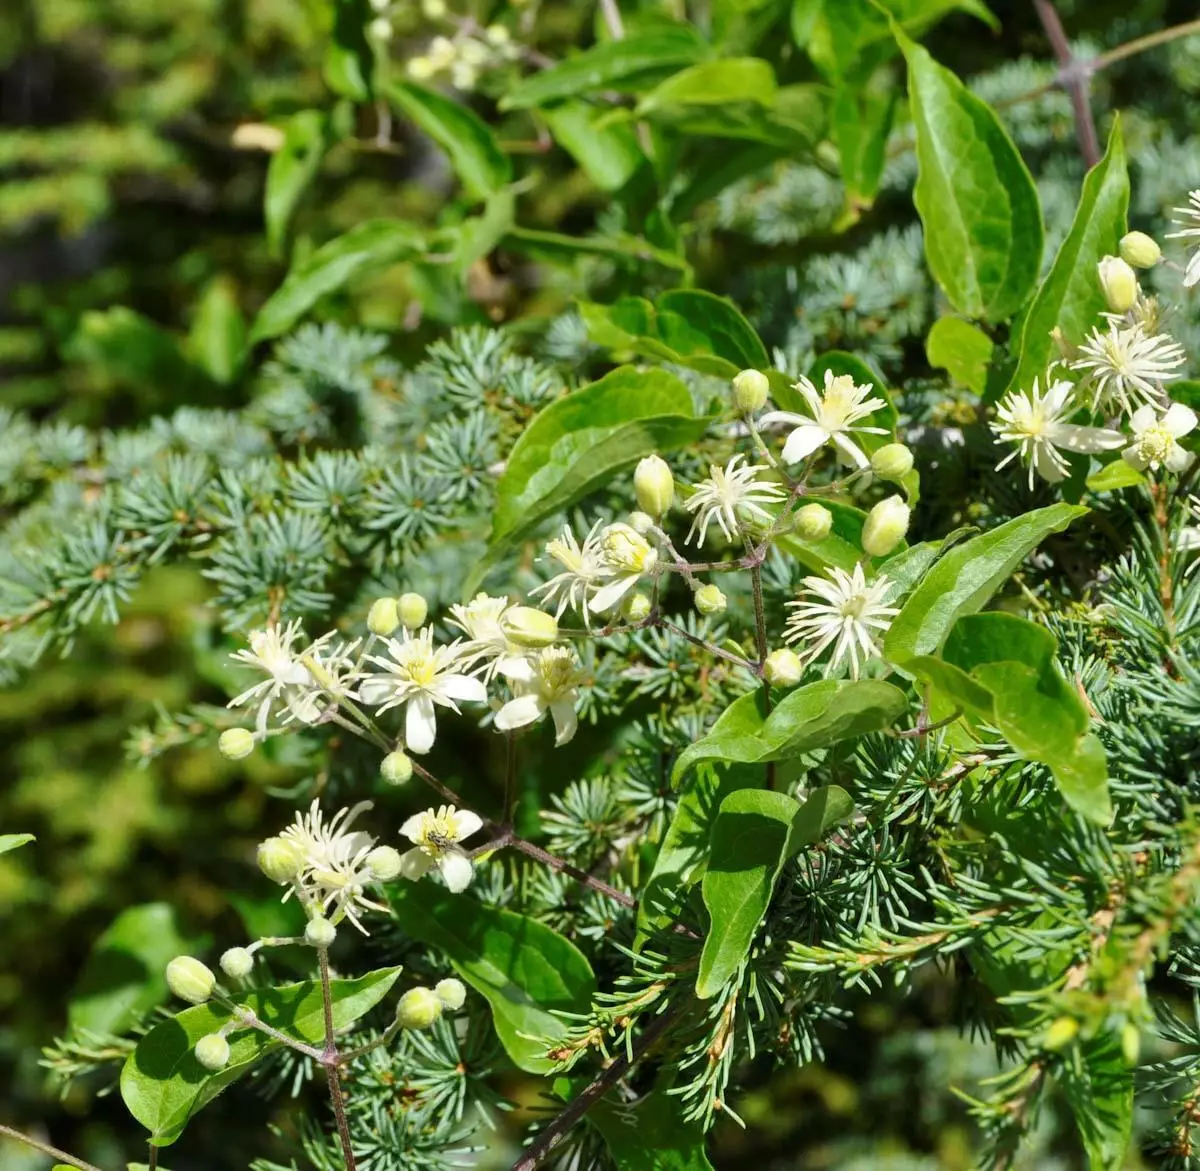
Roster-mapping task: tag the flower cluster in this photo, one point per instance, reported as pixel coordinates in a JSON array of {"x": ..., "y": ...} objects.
[{"x": 462, "y": 58}]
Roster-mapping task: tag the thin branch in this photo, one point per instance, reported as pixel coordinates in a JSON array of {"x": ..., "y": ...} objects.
[
  {"x": 47, "y": 1149},
  {"x": 612, "y": 19},
  {"x": 330, "y": 1059},
  {"x": 1073, "y": 80}
]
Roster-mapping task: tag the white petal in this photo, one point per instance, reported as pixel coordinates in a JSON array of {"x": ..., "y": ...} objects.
[
  {"x": 411, "y": 829},
  {"x": 420, "y": 724},
  {"x": 1132, "y": 457},
  {"x": 377, "y": 689},
  {"x": 609, "y": 595},
  {"x": 788, "y": 417},
  {"x": 1192, "y": 276},
  {"x": 851, "y": 450},
  {"x": 466, "y": 823},
  {"x": 462, "y": 687},
  {"x": 519, "y": 712},
  {"x": 414, "y": 863},
  {"x": 1178, "y": 459},
  {"x": 456, "y": 870},
  {"x": 803, "y": 442},
  {"x": 1071, "y": 437},
  {"x": 1046, "y": 465},
  {"x": 1142, "y": 418},
  {"x": 1179, "y": 420},
  {"x": 565, "y": 721},
  {"x": 517, "y": 668}
]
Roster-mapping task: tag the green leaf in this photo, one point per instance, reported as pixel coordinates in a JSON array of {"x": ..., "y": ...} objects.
[
  {"x": 1099, "y": 1087},
  {"x": 125, "y": 973},
  {"x": 861, "y": 121},
  {"x": 1070, "y": 296},
  {"x": 122, "y": 347},
  {"x": 648, "y": 1134},
  {"x": 964, "y": 579},
  {"x": 961, "y": 348},
  {"x": 14, "y": 841},
  {"x": 524, "y": 970},
  {"x": 217, "y": 340},
  {"x": 728, "y": 333},
  {"x": 369, "y": 247},
  {"x": 556, "y": 246},
  {"x": 164, "y": 1085},
  {"x": 306, "y": 137},
  {"x": 1115, "y": 476},
  {"x": 975, "y": 196},
  {"x": 755, "y": 833},
  {"x": 609, "y": 155},
  {"x": 807, "y": 718},
  {"x": 348, "y": 60},
  {"x": 472, "y": 148},
  {"x": 714, "y": 83},
  {"x": 629, "y": 65},
  {"x": 479, "y": 235}
]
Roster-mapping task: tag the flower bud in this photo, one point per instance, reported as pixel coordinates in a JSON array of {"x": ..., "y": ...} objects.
[
  {"x": 418, "y": 1008},
  {"x": 451, "y": 992},
  {"x": 636, "y": 607},
  {"x": 1060, "y": 1034},
  {"x": 626, "y": 550},
  {"x": 710, "y": 600},
  {"x": 783, "y": 668},
  {"x": 320, "y": 932},
  {"x": 893, "y": 461},
  {"x": 212, "y": 1051},
  {"x": 236, "y": 743},
  {"x": 190, "y": 980},
  {"x": 528, "y": 627},
  {"x": 383, "y": 617},
  {"x": 237, "y": 963},
  {"x": 420, "y": 68},
  {"x": 380, "y": 29},
  {"x": 654, "y": 485},
  {"x": 433, "y": 9},
  {"x": 413, "y": 610},
  {"x": 885, "y": 526},
  {"x": 384, "y": 863},
  {"x": 814, "y": 522},
  {"x": 1131, "y": 1044},
  {"x": 1119, "y": 283},
  {"x": 641, "y": 522},
  {"x": 750, "y": 391},
  {"x": 396, "y": 768},
  {"x": 1140, "y": 250},
  {"x": 279, "y": 859}
]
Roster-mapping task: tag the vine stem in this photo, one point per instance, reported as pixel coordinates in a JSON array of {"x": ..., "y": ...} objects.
[
  {"x": 47, "y": 1149},
  {"x": 1073, "y": 80},
  {"x": 329, "y": 1059}
]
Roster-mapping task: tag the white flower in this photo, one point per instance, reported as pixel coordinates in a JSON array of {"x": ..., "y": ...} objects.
[
  {"x": 421, "y": 676},
  {"x": 480, "y": 620},
  {"x": 834, "y": 415},
  {"x": 289, "y": 682},
  {"x": 1127, "y": 365},
  {"x": 729, "y": 495},
  {"x": 845, "y": 611},
  {"x": 333, "y": 863},
  {"x": 435, "y": 835},
  {"x": 1034, "y": 422},
  {"x": 627, "y": 555},
  {"x": 1154, "y": 439},
  {"x": 1188, "y": 219},
  {"x": 583, "y": 572},
  {"x": 553, "y": 688}
]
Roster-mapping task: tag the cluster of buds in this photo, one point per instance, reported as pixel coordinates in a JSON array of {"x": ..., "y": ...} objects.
[{"x": 462, "y": 58}]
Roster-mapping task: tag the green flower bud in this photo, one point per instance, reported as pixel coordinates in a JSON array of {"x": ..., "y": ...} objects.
[
  {"x": 528, "y": 627},
  {"x": 452, "y": 993},
  {"x": 1119, "y": 283},
  {"x": 384, "y": 863},
  {"x": 885, "y": 526},
  {"x": 814, "y": 522},
  {"x": 750, "y": 391},
  {"x": 1060, "y": 1034},
  {"x": 237, "y": 963},
  {"x": 236, "y": 743},
  {"x": 783, "y": 668},
  {"x": 380, "y": 29},
  {"x": 383, "y": 617},
  {"x": 892, "y": 462},
  {"x": 418, "y": 1008},
  {"x": 413, "y": 610},
  {"x": 212, "y": 1051},
  {"x": 626, "y": 550},
  {"x": 654, "y": 485},
  {"x": 1140, "y": 250},
  {"x": 641, "y": 522},
  {"x": 396, "y": 768},
  {"x": 636, "y": 607},
  {"x": 709, "y": 600},
  {"x": 190, "y": 980},
  {"x": 279, "y": 859},
  {"x": 320, "y": 932}
]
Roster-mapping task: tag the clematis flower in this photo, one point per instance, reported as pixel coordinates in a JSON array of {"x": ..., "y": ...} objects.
[{"x": 436, "y": 834}]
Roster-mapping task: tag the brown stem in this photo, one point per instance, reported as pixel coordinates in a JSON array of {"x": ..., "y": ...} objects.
[
  {"x": 760, "y": 639},
  {"x": 47, "y": 1149},
  {"x": 1073, "y": 80},
  {"x": 712, "y": 648},
  {"x": 329, "y": 1058},
  {"x": 561, "y": 865}
]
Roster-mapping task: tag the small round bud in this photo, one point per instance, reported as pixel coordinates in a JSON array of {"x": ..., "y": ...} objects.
[
  {"x": 320, "y": 932},
  {"x": 433, "y": 9},
  {"x": 236, "y": 743},
  {"x": 750, "y": 391},
  {"x": 212, "y": 1052},
  {"x": 1060, "y": 1034},
  {"x": 451, "y": 992},
  {"x": 497, "y": 35},
  {"x": 237, "y": 963},
  {"x": 654, "y": 485},
  {"x": 380, "y": 5},
  {"x": 1119, "y": 283},
  {"x": 384, "y": 863},
  {"x": 893, "y": 461},
  {"x": 885, "y": 526},
  {"x": 636, "y": 607},
  {"x": 279, "y": 859},
  {"x": 380, "y": 29},
  {"x": 529, "y": 628},
  {"x": 473, "y": 53},
  {"x": 709, "y": 600},
  {"x": 190, "y": 980},
  {"x": 783, "y": 668},
  {"x": 1140, "y": 250},
  {"x": 413, "y": 610},
  {"x": 463, "y": 76},
  {"x": 420, "y": 68},
  {"x": 383, "y": 617},
  {"x": 396, "y": 768},
  {"x": 641, "y": 522},
  {"x": 418, "y": 1008},
  {"x": 814, "y": 522}
]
